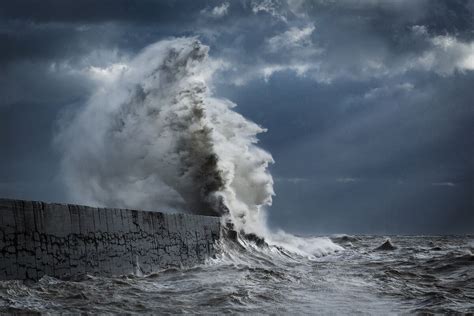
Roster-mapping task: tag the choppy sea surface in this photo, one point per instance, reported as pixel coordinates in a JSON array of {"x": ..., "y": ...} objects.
[{"x": 423, "y": 274}]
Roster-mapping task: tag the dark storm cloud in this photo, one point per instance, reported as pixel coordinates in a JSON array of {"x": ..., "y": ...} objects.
[
  {"x": 90, "y": 11},
  {"x": 52, "y": 41},
  {"x": 371, "y": 156},
  {"x": 368, "y": 103}
]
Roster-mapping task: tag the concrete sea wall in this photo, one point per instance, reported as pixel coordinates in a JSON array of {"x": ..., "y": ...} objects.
[{"x": 70, "y": 241}]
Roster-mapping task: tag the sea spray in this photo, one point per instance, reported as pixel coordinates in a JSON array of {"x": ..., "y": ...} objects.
[{"x": 153, "y": 136}]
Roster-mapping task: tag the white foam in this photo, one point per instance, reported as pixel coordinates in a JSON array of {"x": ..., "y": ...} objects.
[
  {"x": 154, "y": 137},
  {"x": 310, "y": 247}
]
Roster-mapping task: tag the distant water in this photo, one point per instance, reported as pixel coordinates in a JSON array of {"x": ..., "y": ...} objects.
[{"x": 423, "y": 274}]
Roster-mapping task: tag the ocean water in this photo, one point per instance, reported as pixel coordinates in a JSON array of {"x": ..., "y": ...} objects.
[{"x": 423, "y": 274}]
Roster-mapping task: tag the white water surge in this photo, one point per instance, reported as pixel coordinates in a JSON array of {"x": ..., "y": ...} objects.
[{"x": 154, "y": 137}]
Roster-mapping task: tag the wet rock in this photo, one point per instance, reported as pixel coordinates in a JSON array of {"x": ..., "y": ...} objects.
[
  {"x": 229, "y": 232},
  {"x": 259, "y": 241},
  {"x": 386, "y": 246}
]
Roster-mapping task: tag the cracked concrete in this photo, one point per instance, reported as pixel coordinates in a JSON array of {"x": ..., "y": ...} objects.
[{"x": 69, "y": 241}]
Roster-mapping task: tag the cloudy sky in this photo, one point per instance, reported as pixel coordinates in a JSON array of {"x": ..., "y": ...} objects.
[{"x": 369, "y": 104}]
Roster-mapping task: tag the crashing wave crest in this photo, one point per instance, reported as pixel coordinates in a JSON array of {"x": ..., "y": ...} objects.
[{"x": 154, "y": 137}]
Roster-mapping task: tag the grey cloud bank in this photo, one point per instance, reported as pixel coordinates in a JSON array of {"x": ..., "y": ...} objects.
[{"x": 368, "y": 104}]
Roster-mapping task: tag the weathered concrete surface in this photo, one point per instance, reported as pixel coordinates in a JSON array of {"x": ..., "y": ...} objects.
[{"x": 69, "y": 241}]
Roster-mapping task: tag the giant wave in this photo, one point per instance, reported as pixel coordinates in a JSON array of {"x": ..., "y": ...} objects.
[{"x": 154, "y": 136}]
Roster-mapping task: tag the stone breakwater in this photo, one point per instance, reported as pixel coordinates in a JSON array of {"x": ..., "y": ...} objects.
[{"x": 69, "y": 241}]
